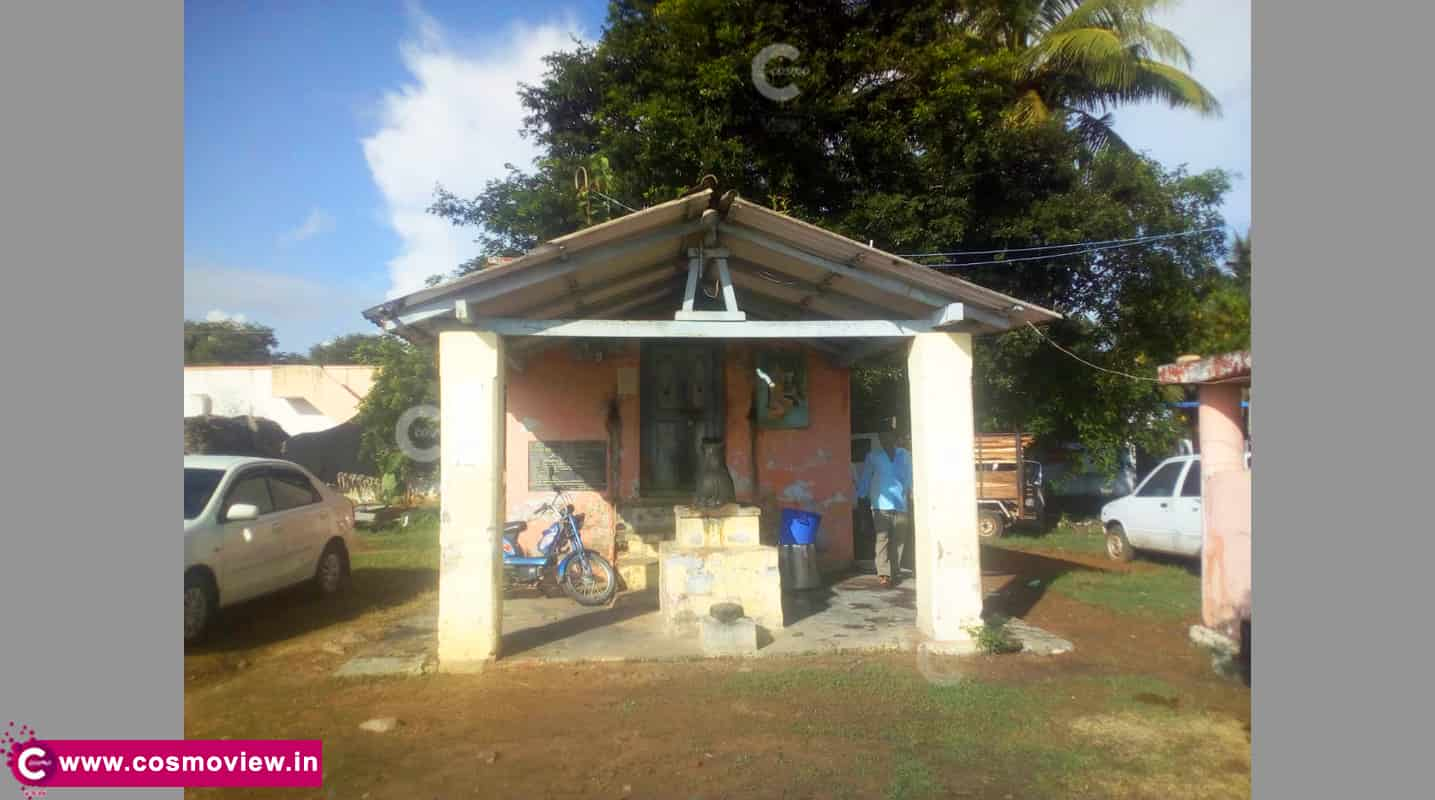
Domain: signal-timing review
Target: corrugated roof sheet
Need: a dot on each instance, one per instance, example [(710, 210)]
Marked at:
[(800, 269)]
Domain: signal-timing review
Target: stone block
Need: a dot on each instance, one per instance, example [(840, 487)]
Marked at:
[(638, 573), (735, 638), (731, 525), (691, 580), (639, 546), (691, 535), (382, 666)]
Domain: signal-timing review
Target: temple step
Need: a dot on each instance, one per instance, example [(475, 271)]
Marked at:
[(638, 572)]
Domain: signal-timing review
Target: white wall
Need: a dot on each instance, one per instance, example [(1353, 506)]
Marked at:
[(236, 391)]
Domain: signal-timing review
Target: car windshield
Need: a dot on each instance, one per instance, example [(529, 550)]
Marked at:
[(198, 487)]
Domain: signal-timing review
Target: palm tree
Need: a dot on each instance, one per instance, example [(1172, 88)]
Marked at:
[(1078, 59), (1240, 262)]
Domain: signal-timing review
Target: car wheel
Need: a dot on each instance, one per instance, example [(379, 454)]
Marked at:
[(990, 525), (333, 570), (201, 601), (1118, 547)]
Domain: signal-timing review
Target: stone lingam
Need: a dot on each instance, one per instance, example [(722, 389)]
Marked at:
[(716, 556)]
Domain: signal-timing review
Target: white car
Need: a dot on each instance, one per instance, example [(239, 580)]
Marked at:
[(254, 526), (1162, 515)]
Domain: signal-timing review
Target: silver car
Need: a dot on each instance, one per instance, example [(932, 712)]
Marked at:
[(254, 526)]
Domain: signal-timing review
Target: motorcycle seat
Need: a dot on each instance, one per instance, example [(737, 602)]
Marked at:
[(514, 528)]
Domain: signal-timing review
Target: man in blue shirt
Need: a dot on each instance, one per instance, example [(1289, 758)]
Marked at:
[(886, 480)]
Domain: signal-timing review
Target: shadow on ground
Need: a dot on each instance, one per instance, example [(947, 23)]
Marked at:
[(295, 612), (1029, 575), (627, 606)]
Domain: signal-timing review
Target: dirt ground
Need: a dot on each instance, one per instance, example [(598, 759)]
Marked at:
[(1134, 712)]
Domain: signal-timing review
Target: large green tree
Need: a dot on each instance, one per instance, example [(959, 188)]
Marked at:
[(900, 133), (340, 349), (406, 379), (227, 342)]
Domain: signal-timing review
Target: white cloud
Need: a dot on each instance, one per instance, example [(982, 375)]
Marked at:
[(1218, 34), (301, 310), (457, 124), (316, 223), (218, 315)]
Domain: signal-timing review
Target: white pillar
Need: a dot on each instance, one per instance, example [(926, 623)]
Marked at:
[(948, 556), (471, 434)]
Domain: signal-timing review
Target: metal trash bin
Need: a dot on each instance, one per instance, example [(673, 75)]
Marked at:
[(798, 563)]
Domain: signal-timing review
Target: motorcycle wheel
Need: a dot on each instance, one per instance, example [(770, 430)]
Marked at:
[(594, 586)]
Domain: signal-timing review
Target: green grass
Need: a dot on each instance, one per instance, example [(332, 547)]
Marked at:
[(396, 546), (1152, 590), (1015, 734), (1158, 592), (911, 777), (1062, 538), (864, 679), (955, 729)]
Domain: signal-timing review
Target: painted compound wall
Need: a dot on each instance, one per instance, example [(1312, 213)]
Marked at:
[(302, 398), (560, 396)]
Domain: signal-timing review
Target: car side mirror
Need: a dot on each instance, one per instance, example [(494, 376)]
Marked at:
[(242, 512)]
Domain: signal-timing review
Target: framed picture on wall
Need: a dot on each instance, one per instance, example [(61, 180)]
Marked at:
[(781, 389)]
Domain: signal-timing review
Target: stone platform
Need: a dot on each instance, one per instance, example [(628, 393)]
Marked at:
[(716, 557)]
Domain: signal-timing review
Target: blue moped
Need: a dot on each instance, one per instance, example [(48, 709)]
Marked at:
[(560, 558)]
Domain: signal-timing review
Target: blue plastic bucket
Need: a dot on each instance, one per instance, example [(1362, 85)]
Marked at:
[(799, 527)]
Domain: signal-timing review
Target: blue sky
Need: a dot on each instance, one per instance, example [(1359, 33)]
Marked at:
[(314, 137)]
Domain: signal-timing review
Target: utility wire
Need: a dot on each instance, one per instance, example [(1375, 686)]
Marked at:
[(1088, 363), (1118, 372), (1047, 257), (1050, 256), (1132, 239), (613, 200)]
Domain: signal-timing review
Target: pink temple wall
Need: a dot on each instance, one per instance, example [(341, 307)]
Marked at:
[(560, 397)]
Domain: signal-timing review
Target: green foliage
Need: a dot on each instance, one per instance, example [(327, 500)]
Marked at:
[(1076, 60), (993, 638), (879, 391), (515, 213), (897, 136), (407, 377), (340, 350), (389, 489), (227, 342), (1128, 310)]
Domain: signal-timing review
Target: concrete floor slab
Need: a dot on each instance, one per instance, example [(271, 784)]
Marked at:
[(382, 666), (850, 614)]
